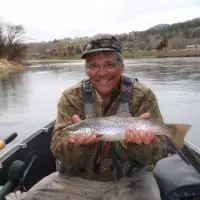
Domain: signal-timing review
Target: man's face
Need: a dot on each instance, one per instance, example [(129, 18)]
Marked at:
[(104, 71)]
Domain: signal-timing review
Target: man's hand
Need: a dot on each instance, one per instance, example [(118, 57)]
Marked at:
[(81, 139), (140, 136)]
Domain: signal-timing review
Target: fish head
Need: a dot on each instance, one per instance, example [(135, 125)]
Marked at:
[(79, 128)]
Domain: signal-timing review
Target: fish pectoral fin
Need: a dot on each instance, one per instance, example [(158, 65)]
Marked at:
[(179, 132), (98, 135)]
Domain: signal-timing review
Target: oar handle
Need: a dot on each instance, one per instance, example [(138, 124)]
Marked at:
[(7, 140), (10, 138)]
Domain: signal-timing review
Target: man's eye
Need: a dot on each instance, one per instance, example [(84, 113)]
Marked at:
[(110, 65), (93, 66)]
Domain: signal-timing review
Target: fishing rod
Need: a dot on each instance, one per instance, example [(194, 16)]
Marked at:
[(193, 156)]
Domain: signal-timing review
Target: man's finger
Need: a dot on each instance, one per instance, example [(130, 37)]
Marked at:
[(71, 140), (133, 136), (92, 139), (137, 138), (145, 137), (81, 139), (152, 137), (127, 135), (145, 116), (76, 119)]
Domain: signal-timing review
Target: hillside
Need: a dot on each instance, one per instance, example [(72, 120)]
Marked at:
[(178, 35), (174, 36), (159, 26)]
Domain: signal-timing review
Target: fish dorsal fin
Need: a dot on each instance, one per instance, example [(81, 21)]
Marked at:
[(123, 114)]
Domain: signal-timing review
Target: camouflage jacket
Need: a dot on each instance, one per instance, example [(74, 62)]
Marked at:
[(71, 102)]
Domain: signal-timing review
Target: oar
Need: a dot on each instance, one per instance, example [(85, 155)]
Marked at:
[(7, 140), (193, 156)]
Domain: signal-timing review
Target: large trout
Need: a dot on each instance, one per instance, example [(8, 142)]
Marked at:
[(113, 128)]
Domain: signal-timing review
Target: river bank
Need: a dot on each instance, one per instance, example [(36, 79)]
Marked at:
[(8, 67), (166, 53)]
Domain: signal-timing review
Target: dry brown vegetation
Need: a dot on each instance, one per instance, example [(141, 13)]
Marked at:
[(178, 53), (12, 48), (8, 67)]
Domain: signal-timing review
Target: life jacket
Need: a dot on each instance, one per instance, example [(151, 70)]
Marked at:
[(125, 96), (122, 165)]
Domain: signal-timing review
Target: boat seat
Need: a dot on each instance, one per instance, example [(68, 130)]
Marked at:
[(15, 173), (177, 179)]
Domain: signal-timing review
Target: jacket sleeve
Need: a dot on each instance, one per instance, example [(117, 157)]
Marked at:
[(144, 100), (68, 105)]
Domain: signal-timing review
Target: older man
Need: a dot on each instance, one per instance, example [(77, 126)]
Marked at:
[(87, 167)]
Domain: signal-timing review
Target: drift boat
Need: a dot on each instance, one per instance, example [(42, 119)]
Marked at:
[(26, 163)]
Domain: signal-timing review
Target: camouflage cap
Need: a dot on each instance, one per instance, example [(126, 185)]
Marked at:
[(104, 42)]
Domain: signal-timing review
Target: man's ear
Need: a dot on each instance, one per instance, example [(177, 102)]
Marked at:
[(85, 68), (122, 68), (86, 71)]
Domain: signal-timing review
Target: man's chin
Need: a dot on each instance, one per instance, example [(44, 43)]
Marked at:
[(104, 91)]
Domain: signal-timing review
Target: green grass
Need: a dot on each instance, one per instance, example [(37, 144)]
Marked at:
[(140, 53), (136, 54)]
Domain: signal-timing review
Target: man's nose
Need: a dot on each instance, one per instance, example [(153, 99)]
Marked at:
[(102, 70)]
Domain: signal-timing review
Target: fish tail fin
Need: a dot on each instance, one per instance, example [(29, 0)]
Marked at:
[(179, 132)]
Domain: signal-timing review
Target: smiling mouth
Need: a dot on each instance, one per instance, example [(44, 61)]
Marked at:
[(103, 81)]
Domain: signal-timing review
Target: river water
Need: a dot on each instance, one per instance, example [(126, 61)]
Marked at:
[(28, 100)]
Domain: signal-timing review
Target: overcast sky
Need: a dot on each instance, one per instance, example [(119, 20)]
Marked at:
[(46, 20)]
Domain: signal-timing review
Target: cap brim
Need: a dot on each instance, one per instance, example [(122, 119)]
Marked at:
[(96, 50)]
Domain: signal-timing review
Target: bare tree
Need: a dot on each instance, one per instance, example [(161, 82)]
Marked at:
[(162, 44), (12, 41), (2, 39), (177, 42), (15, 46)]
